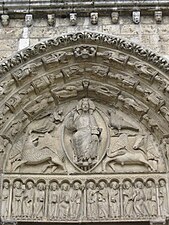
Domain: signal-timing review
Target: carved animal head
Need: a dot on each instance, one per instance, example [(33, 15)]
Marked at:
[(140, 141)]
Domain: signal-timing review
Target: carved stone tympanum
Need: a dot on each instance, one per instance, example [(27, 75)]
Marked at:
[(84, 131)]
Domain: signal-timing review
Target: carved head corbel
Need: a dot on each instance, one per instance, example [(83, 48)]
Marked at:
[(51, 19), (73, 19), (115, 17), (136, 16), (28, 20), (158, 15), (94, 16), (5, 20)]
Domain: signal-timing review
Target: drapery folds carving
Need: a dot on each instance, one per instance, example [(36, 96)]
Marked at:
[(89, 110)]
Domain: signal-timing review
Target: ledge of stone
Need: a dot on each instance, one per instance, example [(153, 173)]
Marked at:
[(18, 8)]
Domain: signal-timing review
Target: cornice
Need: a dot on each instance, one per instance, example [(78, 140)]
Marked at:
[(17, 8)]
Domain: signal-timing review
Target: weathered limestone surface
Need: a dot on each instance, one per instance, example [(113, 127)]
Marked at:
[(84, 113), (148, 33), (84, 131)]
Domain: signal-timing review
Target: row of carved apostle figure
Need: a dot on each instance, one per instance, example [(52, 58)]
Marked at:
[(103, 200)]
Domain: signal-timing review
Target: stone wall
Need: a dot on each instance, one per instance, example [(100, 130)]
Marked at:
[(147, 33)]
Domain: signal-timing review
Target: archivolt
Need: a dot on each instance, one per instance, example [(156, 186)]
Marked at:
[(86, 64)]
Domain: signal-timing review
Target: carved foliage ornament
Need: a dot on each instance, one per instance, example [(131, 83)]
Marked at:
[(99, 38), (81, 119)]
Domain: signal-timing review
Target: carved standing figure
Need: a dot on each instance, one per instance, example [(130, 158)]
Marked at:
[(128, 199), (151, 200), (86, 132), (102, 199), (28, 200), (140, 208), (53, 201), (114, 199), (92, 210), (39, 201), (76, 200), (64, 206), (162, 193), (5, 199), (17, 199)]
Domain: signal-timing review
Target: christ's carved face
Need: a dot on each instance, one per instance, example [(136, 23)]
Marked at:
[(85, 106)]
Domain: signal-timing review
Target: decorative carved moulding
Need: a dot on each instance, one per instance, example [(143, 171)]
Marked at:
[(85, 198), (88, 36), (42, 8), (84, 132)]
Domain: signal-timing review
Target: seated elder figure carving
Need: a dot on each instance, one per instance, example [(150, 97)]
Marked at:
[(85, 133)]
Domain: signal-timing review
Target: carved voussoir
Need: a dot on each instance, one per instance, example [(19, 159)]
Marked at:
[(72, 72), (134, 105), (114, 57), (83, 120), (101, 71), (69, 91), (38, 105), (40, 84), (106, 92), (55, 59), (25, 72), (85, 51), (115, 42)]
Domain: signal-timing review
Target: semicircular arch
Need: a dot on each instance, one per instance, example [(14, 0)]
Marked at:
[(104, 68)]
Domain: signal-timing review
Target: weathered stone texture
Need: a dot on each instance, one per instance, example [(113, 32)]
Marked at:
[(91, 116), (147, 33)]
